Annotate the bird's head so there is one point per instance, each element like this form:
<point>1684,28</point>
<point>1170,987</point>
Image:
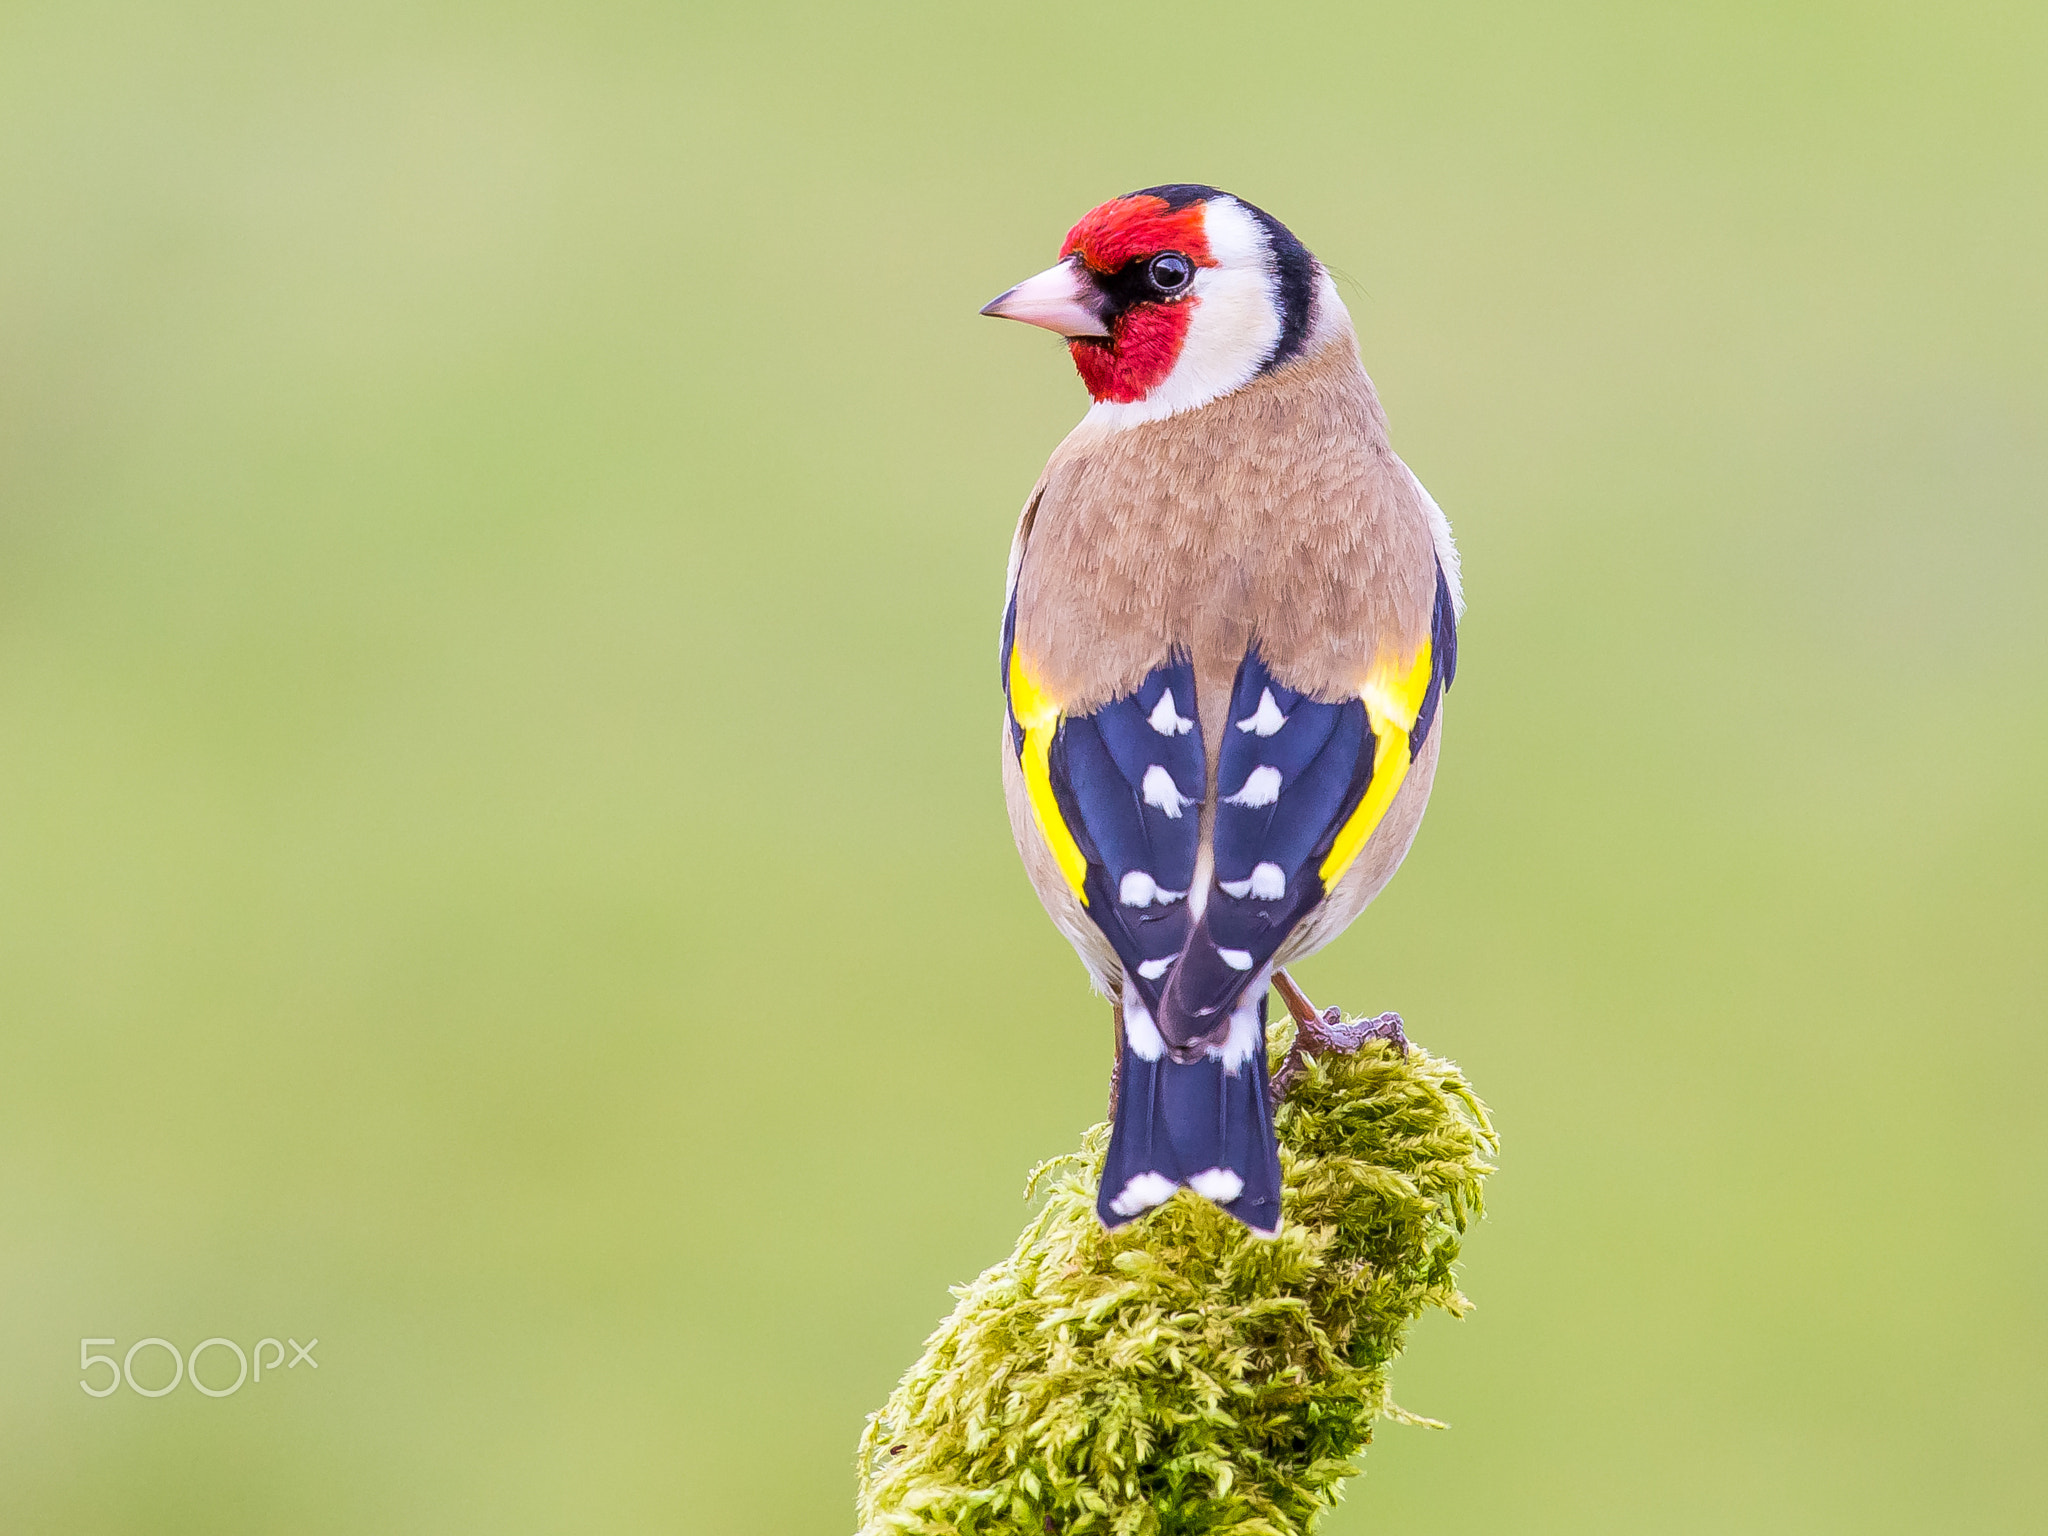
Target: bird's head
<point>1173,296</point>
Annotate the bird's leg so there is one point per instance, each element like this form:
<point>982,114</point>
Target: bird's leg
<point>1318,1034</point>
<point>1304,1011</point>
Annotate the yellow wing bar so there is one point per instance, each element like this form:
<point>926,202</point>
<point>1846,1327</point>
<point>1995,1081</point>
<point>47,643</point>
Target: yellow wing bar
<point>1040,717</point>
<point>1392,701</point>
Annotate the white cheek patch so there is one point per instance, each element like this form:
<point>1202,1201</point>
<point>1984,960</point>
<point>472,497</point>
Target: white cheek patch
<point>1233,327</point>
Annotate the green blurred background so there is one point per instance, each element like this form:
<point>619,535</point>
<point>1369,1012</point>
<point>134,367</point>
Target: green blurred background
<point>502,518</point>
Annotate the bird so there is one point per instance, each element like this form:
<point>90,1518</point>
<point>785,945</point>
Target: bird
<point>1230,619</point>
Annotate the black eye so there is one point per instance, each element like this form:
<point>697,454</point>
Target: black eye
<point>1170,272</point>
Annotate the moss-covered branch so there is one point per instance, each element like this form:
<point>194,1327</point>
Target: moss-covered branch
<point>1182,1375</point>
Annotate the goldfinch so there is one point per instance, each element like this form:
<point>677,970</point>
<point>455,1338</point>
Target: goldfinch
<point>1230,621</point>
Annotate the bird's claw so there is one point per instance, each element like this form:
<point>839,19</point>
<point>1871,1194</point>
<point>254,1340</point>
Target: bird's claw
<point>1325,1033</point>
<point>1331,1033</point>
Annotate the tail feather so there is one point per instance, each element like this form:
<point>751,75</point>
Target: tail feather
<point>1200,1123</point>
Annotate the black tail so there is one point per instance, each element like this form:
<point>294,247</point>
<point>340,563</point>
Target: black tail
<point>1195,1124</point>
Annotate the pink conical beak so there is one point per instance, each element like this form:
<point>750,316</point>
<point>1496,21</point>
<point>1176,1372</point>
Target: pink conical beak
<point>1061,299</point>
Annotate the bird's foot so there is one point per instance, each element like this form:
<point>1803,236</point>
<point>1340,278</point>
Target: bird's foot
<point>1331,1033</point>
<point>1324,1033</point>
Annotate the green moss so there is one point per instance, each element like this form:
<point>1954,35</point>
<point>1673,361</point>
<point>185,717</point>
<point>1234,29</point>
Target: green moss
<point>1182,1375</point>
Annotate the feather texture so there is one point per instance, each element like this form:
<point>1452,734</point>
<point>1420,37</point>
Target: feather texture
<point>1226,640</point>
<point>1300,787</point>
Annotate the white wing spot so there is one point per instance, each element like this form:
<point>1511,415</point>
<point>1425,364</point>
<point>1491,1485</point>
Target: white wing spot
<point>1268,882</point>
<point>1235,889</point>
<point>1161,791</point>
<point>1261,787</point>
<point>1218,1184</point>
<point>1247,1035</point>
<point>1236,959</point>
<point>1137,889</point>
<point>1147,1044</point>
<point>1144,1191</point>
<point>1152,970</point>
<point>1266,719</point>
<point>1166,720</point>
